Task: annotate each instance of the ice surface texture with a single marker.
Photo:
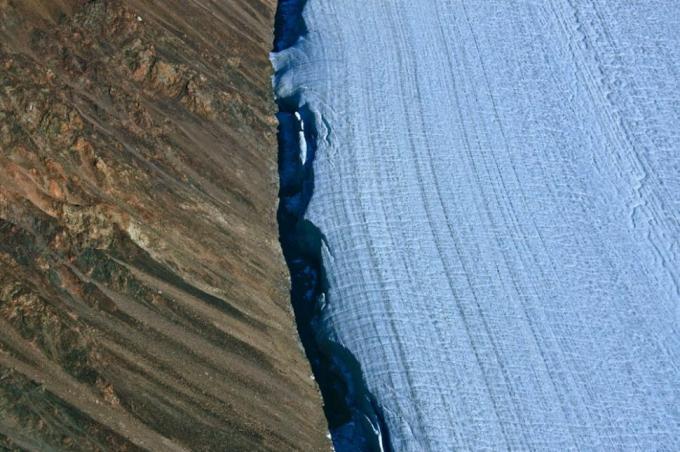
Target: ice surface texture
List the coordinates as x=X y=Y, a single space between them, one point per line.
x=499 y=187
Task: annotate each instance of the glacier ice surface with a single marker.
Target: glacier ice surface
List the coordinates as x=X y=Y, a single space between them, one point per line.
x=498 y=185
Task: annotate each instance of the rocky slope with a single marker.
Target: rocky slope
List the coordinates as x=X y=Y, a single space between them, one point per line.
x=143 y=297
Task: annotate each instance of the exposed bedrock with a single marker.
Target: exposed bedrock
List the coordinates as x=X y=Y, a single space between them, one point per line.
x=144 y=300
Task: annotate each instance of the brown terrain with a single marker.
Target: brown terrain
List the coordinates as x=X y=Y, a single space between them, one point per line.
x=143 y=297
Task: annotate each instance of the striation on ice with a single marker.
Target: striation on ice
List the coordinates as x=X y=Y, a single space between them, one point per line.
x=498 y=186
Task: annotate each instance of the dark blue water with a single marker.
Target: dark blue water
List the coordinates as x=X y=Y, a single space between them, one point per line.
x=354 y=418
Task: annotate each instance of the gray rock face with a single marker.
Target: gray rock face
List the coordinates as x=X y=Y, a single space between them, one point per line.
x=497 y=183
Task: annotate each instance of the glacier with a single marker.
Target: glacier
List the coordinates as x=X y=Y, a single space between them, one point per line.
x=496 y=206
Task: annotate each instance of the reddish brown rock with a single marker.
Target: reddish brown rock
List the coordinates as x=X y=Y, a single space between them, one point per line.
x=143 y=295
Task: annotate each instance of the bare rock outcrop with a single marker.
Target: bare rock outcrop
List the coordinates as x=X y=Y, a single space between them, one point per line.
x=143 y=297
